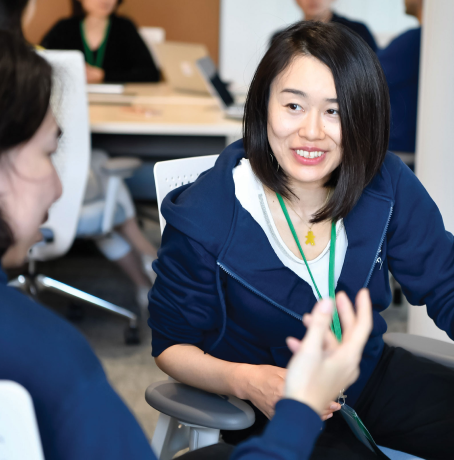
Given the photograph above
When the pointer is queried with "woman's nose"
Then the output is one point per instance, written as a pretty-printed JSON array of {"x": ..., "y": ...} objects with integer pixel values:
[
  {"x": 312, "y": 126},
  {"x": 58, "y": 187}
]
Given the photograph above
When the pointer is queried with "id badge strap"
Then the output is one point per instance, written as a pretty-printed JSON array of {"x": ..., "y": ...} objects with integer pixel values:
[{"x": 360, "y": 430}]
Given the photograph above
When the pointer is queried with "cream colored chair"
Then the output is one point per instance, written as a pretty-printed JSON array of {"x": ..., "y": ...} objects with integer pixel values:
[
  {"x": 70, "y": 106},
  {"x": 19, "y": 433}
]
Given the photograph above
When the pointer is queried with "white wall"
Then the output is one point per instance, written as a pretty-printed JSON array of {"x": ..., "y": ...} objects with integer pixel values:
[{"x": 247, "y": 25}]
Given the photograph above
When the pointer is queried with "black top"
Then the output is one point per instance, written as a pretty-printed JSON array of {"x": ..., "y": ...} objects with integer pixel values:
[
  {"x": 127, "y": 58},
  {"x": 358, "y": 27}
]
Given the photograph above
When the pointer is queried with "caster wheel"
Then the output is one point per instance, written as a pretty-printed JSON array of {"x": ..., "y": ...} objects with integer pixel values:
[
  {"x": 397, "y": 296},
  {"x": 132, "y": 336},
  {"x": 75, "y": 312}
]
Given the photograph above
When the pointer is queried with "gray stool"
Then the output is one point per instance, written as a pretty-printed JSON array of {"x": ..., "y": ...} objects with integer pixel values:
[
  {"x": 191, "y": 417},
  {"x": 435, "y": 350}
]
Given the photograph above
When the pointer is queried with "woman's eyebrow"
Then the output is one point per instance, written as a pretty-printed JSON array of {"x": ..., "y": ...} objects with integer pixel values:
[
  {"x": 294, "y": 91},
  {"x": 298, "y": 92}
]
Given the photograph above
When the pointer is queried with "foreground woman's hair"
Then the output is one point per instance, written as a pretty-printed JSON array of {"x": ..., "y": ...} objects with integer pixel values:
[
  {"x": 25, "y": 90},
  {"x": 363, "y": 99}
]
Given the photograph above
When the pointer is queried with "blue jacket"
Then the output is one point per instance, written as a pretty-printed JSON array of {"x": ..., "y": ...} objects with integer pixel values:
[
  {"x": 79, "y": 414},
  {"x": 400, "y": 62},
  {"x": 221, "y": 286}
]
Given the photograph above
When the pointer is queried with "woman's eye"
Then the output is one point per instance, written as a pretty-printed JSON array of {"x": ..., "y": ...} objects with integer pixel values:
[
  {"x": 294, "y": 107},
  {"x": 332, "y": 112}
]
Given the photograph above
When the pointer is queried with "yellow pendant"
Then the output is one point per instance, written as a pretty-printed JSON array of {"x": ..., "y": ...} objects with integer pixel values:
[{"x": 310, "y": 238}]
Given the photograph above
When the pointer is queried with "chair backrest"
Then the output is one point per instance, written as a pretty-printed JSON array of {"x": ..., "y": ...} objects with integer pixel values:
[
  {"x": 70, "y": 106},
  {"x": 171, "y": 174},
  {"x": 19, "y": 434},
  {"x": 151, "y": 36}
]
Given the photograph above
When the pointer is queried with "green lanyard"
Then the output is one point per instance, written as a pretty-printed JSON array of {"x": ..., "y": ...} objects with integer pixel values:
[
  {"x": 335, "y": 325},
  {"x": 349, "y": 415},
  {"x": 89, "y": 56}
]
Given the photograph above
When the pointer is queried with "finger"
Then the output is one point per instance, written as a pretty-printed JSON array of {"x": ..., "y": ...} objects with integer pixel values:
[
  {"x": 293, "y": 344},
  {"x": 307, "y": 317},
  {"x": 321, "y": 318},
  {"x": 346, "y": 313},
  {"x": 330, "y": 343},
  {"x": 334, "y": 406},
  {"x": 326, "y": 417}
]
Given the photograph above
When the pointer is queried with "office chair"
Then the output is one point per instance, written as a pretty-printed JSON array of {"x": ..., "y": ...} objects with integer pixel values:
[
  {"x": 182, "y": 406},
  {"x": 19, "y": 434},
  {"x": 70, "y": 106}
]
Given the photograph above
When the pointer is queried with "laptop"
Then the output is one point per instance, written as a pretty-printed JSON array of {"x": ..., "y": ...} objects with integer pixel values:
[
  {"x": 178, "y": 61},
  {"x": 218, "y": 89}
]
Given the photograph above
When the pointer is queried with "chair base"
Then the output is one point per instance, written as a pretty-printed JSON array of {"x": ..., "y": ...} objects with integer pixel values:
[
  {"x": 172, "y": 435},
  {"x": 33, "y": 284}
]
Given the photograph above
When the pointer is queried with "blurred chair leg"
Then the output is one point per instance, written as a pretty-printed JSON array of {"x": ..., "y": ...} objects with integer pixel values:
[
  {"x": 22, "y": 283},
  {"x": 132, "y": 336},
  {"x": 202, "y": 437},
  {"x": 46, "y": 283},
  {"x": 170, "y": 437}
]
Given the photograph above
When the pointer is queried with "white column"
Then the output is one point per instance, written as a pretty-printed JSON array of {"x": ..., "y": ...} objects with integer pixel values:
[{"x": 435, "y": 145}]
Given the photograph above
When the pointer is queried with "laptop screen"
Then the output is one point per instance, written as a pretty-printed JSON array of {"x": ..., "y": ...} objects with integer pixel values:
[{"x": 208, "y": 69}]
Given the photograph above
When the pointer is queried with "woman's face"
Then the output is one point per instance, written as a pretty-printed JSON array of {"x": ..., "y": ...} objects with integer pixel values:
[
  {"x": 315, "y": 9},
  {"x": 304, "y": 129},
  {"x": 29, "y": 184},
  {"x": 99, "y": 8}
]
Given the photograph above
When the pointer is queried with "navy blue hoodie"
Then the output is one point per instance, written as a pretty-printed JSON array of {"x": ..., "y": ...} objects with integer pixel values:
[
  {"x": 222, "y": 288},
  {"x": 80, "y": 417}
]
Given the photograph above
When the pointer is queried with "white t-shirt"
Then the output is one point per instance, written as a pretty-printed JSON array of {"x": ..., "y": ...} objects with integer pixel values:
[{"x": 250, "y": 193}]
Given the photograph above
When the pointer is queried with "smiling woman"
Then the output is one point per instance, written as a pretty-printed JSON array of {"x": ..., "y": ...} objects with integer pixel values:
[
  {"x": 349, "y": 95},
  {"x": 309, "y": 203}
]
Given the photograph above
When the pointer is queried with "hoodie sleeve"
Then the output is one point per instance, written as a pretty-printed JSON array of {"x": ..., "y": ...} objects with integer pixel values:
[
  {"x": 184, "y": 304},
  {"x": 290, "y": 435},
  {"x": 420, "y": 251}
]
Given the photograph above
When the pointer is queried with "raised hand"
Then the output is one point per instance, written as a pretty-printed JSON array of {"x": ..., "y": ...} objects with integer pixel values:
[{"x": 321, "y": 366}]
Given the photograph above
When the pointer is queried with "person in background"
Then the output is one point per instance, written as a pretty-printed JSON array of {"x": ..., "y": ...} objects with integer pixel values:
[
  {"x": 320, "y": 10},
  {"x": 113, "y": 48},
  {"x": 126, "y": 246},
  {"x": 400, "y": 63},
  {"x": 79, "y": 415}
]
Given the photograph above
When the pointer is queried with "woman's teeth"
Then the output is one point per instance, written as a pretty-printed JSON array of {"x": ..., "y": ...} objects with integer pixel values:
[{"x": 303, "y": 153}]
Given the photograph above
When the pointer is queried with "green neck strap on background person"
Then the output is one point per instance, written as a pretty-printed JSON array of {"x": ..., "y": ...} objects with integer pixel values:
[{"x": 89, "y": 55}]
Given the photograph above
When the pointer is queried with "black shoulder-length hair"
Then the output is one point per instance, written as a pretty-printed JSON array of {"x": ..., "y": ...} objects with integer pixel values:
[
  {"x": 11, "y": 12},
  {"x": 362, "y": 93},
  {"x": 25, "y": 91},
  {"x": 79, "y": 12}
]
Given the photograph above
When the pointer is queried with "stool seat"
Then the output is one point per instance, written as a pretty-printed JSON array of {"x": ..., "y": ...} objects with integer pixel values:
[
  {"x": 197, "y": 407},
  {"x": 435, "y": 350}
]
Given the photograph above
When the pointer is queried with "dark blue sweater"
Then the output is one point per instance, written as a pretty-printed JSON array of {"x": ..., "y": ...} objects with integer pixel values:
[
  {"x": 221, "y": 286},
  {"x": 400, "y": 62},
  {"x": 79, "y": 414},
  {"x": 80, "y": 417}
]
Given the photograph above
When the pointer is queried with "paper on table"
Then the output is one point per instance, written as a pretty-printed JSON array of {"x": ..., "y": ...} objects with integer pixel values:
[{"x": 106, "y": 89}]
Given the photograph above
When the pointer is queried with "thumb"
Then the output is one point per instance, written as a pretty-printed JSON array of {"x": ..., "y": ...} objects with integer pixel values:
[{"x": 321, "y": 318}]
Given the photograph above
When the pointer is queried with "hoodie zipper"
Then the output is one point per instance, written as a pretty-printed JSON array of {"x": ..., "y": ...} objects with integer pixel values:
[
  {"x": 255, "y": 291},
  {"x": 378, "y": 259},
  {"x": 289, "y": 312}
]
